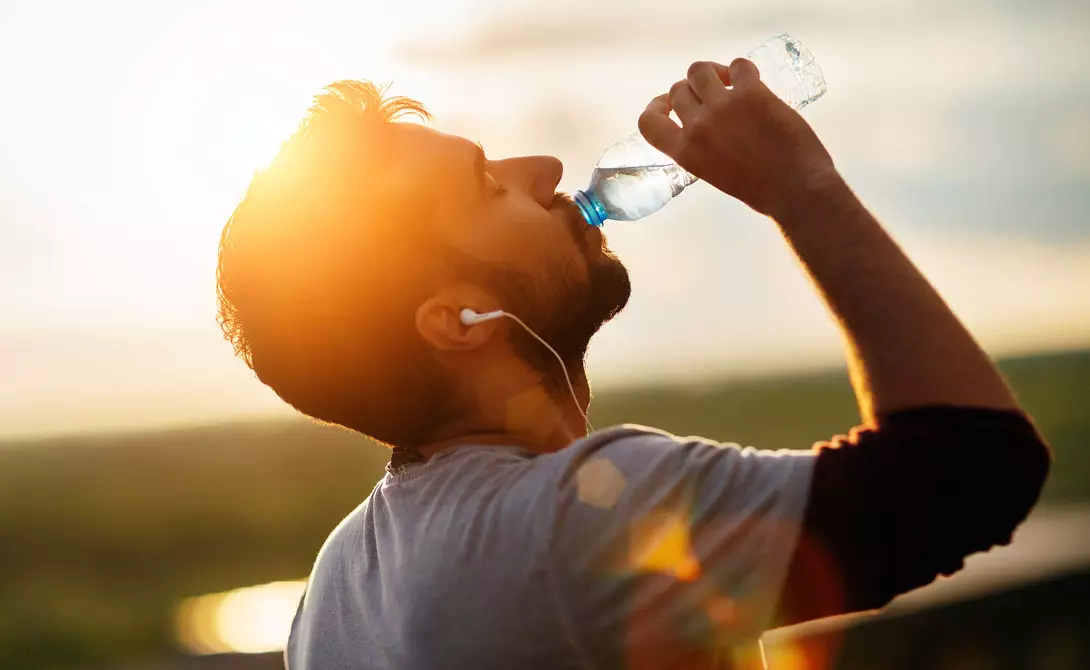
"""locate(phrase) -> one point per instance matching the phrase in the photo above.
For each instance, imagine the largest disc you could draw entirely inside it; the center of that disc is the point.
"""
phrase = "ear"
(439, 322)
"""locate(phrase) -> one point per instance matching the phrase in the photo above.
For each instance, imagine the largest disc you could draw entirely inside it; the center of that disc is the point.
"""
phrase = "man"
(503, 536)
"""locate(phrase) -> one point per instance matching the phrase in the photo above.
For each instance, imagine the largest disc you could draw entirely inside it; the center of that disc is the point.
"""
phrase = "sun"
(254, 135)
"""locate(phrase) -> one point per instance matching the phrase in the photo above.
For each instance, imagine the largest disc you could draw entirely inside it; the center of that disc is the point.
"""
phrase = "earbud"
(471, 318)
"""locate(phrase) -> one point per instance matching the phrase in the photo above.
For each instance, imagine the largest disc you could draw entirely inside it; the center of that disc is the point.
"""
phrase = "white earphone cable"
(564, 368)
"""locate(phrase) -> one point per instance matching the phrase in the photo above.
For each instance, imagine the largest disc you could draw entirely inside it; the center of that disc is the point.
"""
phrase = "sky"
(129, 131)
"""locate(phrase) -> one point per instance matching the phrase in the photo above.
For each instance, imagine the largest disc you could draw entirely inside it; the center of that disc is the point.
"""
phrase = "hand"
(743, 140)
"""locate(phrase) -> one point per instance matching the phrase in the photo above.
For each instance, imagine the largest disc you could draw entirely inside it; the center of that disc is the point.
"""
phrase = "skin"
(905, 347)
(509, 216)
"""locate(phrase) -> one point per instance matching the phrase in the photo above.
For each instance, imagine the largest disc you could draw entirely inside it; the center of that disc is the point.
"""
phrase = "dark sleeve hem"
(891, 508)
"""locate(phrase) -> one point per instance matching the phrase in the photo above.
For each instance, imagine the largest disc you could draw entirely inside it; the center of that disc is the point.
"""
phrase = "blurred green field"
(100, 536)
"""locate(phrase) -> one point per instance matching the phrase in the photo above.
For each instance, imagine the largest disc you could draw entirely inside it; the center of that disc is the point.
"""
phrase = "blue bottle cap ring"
(591, 208)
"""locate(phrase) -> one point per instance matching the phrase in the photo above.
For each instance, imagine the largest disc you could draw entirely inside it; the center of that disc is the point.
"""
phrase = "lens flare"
(248, 620)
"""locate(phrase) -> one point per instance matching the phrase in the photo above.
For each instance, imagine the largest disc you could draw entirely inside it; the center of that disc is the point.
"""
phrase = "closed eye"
(497, 188)
(491, 186)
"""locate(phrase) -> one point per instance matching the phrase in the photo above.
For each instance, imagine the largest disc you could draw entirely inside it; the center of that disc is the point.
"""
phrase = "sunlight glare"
(254, 141)
(788, 656)
(248, 620)
(662, 543)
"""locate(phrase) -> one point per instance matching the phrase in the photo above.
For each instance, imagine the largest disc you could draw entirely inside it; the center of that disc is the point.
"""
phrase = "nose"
(536, 175)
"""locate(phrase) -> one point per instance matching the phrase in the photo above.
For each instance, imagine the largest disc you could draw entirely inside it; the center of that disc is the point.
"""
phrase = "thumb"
(743, 73)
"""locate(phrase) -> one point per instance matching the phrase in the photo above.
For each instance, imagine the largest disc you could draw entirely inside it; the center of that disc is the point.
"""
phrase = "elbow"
(1036, 461)
(1011, 471)
(898, 506)
(996, 463)
(1019, 475)
(984, 470)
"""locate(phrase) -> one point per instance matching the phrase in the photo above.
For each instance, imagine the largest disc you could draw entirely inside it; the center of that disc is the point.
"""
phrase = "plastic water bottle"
(634, 179)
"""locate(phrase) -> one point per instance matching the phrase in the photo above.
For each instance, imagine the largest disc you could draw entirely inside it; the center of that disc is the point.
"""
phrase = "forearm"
(938, 473)
(905, 347)
(946, 464)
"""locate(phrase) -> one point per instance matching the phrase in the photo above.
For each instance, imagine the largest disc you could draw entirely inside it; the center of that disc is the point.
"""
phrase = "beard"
(580, 309)
(562, 307)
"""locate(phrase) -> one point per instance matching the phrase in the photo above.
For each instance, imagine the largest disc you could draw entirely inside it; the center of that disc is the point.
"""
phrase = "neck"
(540, 417)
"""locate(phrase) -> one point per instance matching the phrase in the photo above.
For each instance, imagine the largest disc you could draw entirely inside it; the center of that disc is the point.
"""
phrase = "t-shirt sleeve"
(669, 548)
(894, 506)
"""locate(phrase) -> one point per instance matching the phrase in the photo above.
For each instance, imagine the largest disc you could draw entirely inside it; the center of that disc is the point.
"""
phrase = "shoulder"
(641, 513)
(632, 457)
(626, 445)
(339, 547)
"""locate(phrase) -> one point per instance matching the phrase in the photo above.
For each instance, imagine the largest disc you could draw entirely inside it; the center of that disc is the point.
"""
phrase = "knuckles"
(695, 67)
(700, 130)
(721, 104)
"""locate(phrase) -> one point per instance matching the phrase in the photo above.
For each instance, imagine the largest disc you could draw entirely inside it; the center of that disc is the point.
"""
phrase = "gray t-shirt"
(630, 548)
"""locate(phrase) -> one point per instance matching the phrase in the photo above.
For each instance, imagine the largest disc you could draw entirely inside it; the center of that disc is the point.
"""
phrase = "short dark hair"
(316, 277)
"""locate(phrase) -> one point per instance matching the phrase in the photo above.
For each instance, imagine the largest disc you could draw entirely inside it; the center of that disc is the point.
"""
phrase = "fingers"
(707, 79)
(657, 127)
(743, 72)
(704, 83)
(684, 101)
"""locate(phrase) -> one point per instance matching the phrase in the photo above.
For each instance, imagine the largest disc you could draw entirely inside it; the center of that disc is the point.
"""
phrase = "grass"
(101, 535)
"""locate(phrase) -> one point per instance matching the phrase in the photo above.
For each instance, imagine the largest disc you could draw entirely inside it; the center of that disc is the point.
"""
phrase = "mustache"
(572, 217)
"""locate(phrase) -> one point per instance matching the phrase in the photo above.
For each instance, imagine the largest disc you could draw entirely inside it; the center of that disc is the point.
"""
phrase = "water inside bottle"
(632, 192)
(633, 179)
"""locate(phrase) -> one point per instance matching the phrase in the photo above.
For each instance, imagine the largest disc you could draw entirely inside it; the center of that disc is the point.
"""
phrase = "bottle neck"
(591, 208)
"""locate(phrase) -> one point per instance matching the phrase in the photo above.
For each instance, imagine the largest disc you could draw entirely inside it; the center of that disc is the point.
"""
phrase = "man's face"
(508, 231)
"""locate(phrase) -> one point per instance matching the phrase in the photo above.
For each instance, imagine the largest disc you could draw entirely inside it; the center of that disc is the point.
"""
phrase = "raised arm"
(905, 347)
(945, 463)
